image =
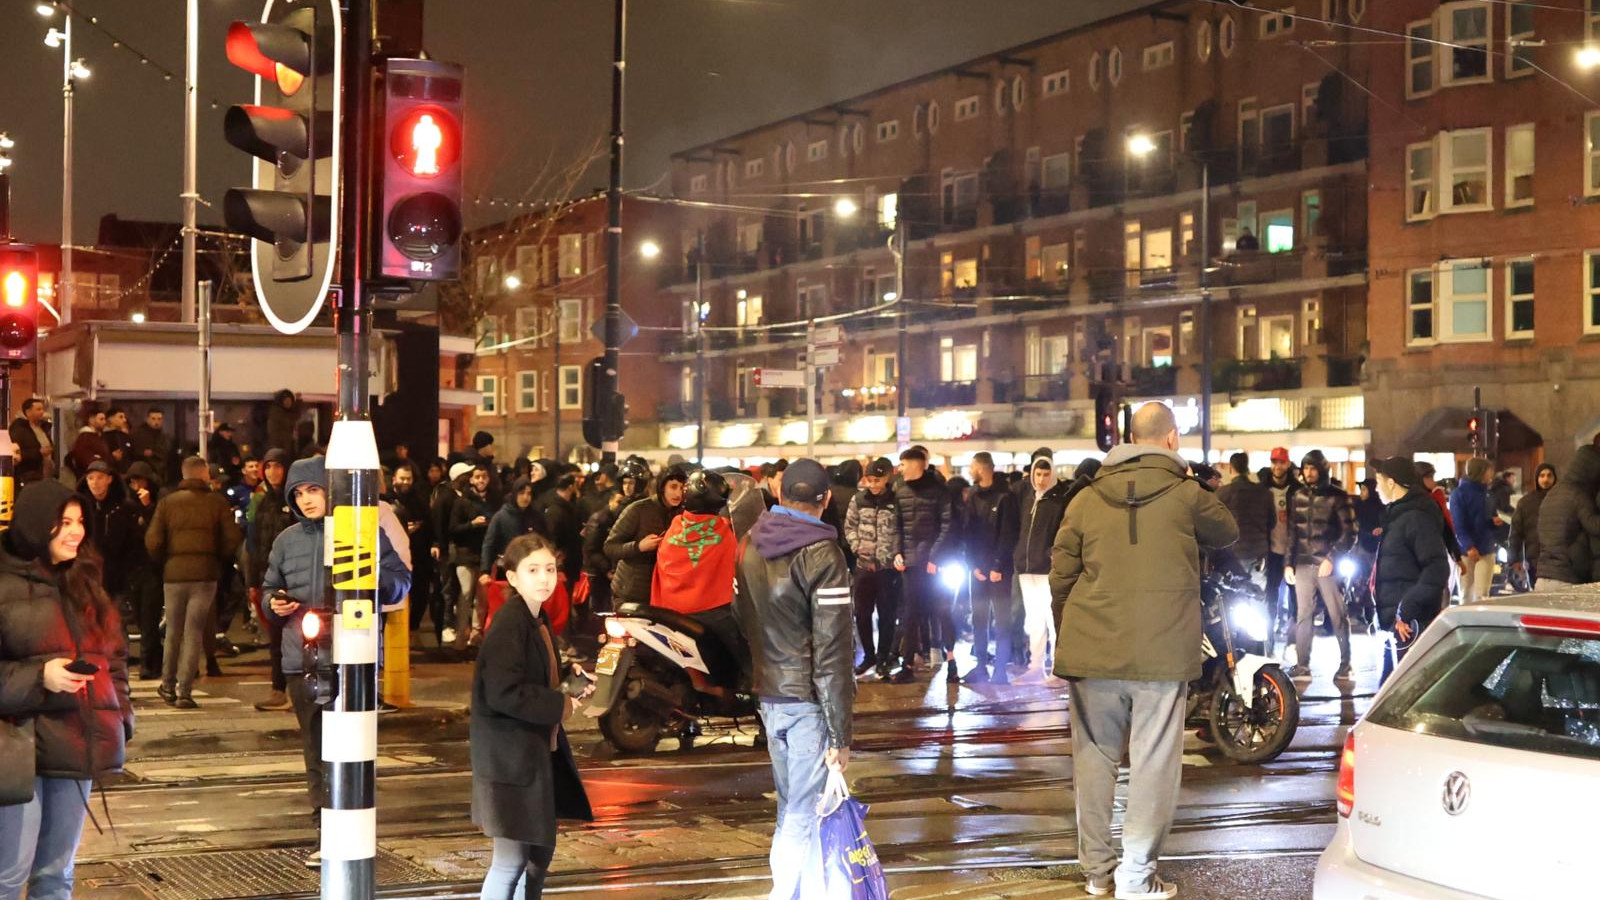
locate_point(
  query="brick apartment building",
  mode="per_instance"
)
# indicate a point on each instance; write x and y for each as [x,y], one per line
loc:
[1485,261]
[1042,251]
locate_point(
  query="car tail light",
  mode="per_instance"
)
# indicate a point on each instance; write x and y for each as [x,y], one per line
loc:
[1559,625]
[1347,777]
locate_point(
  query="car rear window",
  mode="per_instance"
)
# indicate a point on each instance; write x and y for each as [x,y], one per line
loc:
[1505,687]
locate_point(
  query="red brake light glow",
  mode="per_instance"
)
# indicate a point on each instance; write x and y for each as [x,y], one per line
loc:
[15,288]
[1347,777]
[1559,625]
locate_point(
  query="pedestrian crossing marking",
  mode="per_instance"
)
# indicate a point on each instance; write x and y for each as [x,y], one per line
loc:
[355,569]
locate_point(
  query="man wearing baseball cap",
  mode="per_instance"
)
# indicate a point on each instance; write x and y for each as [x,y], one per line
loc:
[1413,568]
[793,606]
[1282,482]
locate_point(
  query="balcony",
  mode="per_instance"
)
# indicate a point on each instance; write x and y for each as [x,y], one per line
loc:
[1257,267]
[1153,381]
[944,393]
[1263,375]
[1050,202]
[674,411]
[959,218]
[1345,371]
[854,401]
[1034,389]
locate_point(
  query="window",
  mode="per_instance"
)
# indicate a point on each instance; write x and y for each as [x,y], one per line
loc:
[747,312]
[1310,212]
[1132,254]
[1159,56]
[1249,129]
[1185,234]
[571,387]
[813,299]
[816,151]
[1228,35]
[1097,69]
[965,274]
[858,137]
[1057,83]
[488,395]
[1591,154]
[1464,300]
[1419,182]
[933,117]
[1186,332]
[960,193]
[957,363]
[1202,41]
[1519,165]
[686,385]
[1273,24]
[1002,93]
[1419,306]
[1464,169]
[527,324]
[755,168]
[1186,131]
[570,255]
[1277,231]
[789,157]
[1248,330]
[1591,298]
[1592,18]
[1019,92]
[697,184]
[1114,66]
[967,108]
[1519,298]
[1308,103]
[1277,130]
[1334,10]
[1053,265]
[1056,172]
[1419,58]
[571,321]
[488,332]
[1158,249]
[1466,26]
[888,210]
[1358,10]
[1519,32]
[1311,322]
[527,391]
[919,120]
[844,141]
[750,235]
[888,131]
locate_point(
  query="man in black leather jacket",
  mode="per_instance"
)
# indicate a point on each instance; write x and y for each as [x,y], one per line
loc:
[793,607]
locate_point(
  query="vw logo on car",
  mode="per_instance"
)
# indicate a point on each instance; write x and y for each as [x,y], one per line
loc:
[1457,793]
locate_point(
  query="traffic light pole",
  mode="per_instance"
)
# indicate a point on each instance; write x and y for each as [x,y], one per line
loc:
[350,722]
[608,448]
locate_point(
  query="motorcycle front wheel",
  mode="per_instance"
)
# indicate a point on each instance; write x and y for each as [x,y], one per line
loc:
[630,726]
[1257,729]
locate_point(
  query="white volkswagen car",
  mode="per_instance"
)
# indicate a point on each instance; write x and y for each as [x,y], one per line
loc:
[1477,772]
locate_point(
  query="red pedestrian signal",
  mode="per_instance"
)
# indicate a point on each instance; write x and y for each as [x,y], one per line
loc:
[420,227]
[1105,419]
[19,294]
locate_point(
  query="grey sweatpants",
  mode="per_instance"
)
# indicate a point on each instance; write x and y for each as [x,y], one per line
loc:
[1307,585]
[1147,718]
[188,612]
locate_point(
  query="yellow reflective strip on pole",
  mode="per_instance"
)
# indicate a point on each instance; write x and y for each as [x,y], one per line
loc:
[355,548]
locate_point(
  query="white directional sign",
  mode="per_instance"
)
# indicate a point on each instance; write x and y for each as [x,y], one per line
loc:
[827,334]
[781,378]
[825,356]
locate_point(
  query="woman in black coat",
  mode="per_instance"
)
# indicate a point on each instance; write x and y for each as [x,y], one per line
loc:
[523,773]
[55,614]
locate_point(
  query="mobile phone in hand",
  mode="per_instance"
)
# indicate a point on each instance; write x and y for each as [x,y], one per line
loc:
[81,667]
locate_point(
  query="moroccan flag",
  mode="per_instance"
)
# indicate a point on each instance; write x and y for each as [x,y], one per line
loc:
[695,564]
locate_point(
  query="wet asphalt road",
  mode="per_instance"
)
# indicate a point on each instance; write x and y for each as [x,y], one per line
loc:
[969,788]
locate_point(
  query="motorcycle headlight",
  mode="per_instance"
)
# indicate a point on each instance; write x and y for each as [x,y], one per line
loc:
[615,629]
[1502,555]
[952,576]
[1250,620]
[1347,567]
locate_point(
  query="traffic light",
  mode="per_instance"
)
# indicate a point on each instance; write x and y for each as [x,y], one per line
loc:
[19,303]
[605,415]
[316,636]
[1475,432]
[292,130]
[420,227]
[1105,419]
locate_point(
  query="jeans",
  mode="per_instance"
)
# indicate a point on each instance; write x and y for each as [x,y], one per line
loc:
[38,840]
[469,606]
[188,614]
[877,591]
[1147,716]
[309,715]
[1479,579]
[1307,584]
[516,865]
[992,599]
[797,739]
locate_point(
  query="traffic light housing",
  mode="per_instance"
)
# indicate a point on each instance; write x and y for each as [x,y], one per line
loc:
[605,414]
[1475,432]
[19,303]
[292,131]
[420,226]
[316,637]
[1105,419]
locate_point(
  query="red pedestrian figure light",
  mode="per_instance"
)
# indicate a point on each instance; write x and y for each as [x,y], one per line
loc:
[426,139]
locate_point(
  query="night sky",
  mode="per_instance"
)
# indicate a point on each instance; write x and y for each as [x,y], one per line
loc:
[538,85]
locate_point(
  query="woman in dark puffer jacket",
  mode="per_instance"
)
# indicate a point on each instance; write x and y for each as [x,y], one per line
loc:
[54,611]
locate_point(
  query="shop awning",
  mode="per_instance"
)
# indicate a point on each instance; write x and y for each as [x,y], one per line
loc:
[1444,429]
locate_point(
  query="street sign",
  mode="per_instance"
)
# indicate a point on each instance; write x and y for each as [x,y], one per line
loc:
[630,329]
[827,334]
[780,378]
[825,356]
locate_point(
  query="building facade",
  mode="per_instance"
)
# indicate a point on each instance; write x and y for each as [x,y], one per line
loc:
[1485,170]
[1055,223]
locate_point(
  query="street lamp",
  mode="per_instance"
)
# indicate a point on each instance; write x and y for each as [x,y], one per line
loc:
[73,70]
[845,208]
[1142,145]
[649,249]
[1589,56]
[513,282]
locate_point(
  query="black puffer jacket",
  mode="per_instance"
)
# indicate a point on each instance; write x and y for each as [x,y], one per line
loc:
[1254,508]
[81,735]
[595,531]
[1039,523]
[1569,522]
[793,608]
[925,519]
[636,568]
[1322,519]
[466,538]
[992,526]
[1413,564]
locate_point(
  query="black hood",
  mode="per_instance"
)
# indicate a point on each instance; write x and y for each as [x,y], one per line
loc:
[511,496]
[34,517]
[1584,472]
[1555,477]
[849,473]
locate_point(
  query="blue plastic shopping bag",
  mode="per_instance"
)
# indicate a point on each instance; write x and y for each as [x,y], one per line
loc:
[851,870]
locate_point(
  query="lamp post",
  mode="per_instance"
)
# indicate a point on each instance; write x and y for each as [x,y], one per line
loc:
[1142,145]
[72,71]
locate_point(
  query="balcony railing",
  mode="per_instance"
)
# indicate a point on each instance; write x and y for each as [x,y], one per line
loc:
[1151,381]
[1345,371]
[1259,375]
[944,393]
[1034,388]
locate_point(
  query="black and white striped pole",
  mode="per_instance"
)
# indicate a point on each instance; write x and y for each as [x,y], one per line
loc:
[350,724]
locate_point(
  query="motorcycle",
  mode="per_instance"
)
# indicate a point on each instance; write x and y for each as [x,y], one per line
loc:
[1243,701]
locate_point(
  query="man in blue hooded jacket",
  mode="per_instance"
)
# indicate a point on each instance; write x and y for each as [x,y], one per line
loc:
[296,578]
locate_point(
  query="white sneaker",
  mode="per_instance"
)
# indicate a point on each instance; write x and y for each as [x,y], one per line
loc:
[448,636]
[314,861]
[1155,889]
[1099,885]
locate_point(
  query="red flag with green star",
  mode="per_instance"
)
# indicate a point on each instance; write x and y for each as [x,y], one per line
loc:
[695,564]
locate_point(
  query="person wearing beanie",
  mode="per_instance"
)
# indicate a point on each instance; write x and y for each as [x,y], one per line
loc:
[1324,527]
[1473,517]
[1523,547]
[1413,566]
[482,449]
[54,612]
